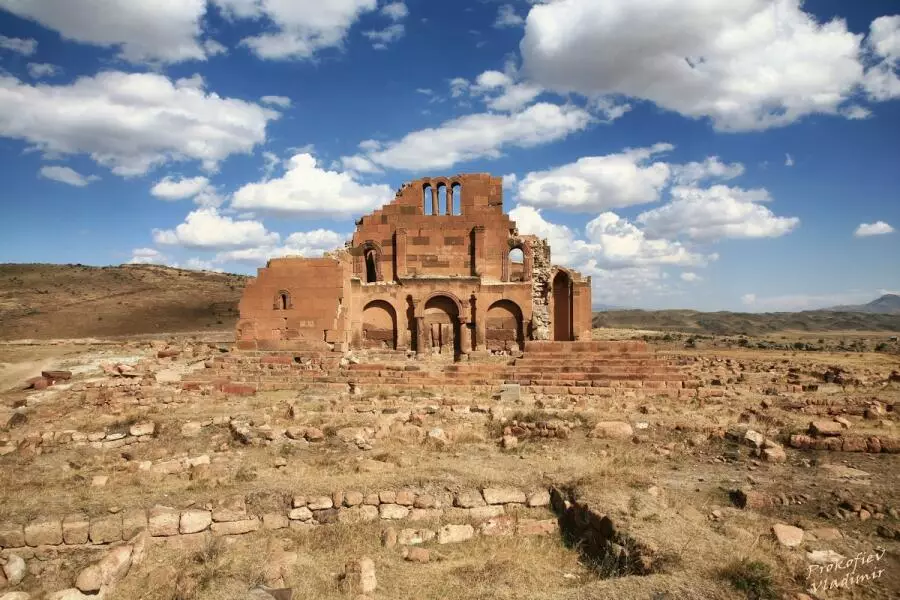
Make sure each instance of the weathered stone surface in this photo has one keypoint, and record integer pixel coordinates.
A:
(503, 495)
(353, 498)
(509, 442)
(236, 527)
(134, 521)
(230, 509)
(788, 535)
(417, 555)
(44, 531)
(114, 566)
(12, 535)
(405, 498)
(194, 521)
(359, 577)
(70, 594)
(163, 521)
(468, 499)
(142, 428)
(15, 596)
(452, 534)
(76, 529)
(274, 521)
(300, 514)
(774, 454)
(106, 529)
(89, 580)
(750, 499)
(320, 503)
(754, 439)
(480, 513)
(539, 498)
(14, 569)
(393, 511)
(409, 537)
(357, 514)
(825, 428)
(425, 514)
(826, 534)
(389, 537)
(499, 525)
(537, 527)
(613, 430)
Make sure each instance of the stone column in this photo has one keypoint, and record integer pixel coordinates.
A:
(423, 338)
(435, 207)
(504, 267)
(400, 253)
(450, 200)
(480, 333)
(465, 337)
(528, 263)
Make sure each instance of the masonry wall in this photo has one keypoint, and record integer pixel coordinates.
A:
(295, 302)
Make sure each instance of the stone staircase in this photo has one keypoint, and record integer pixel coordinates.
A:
(591, 368)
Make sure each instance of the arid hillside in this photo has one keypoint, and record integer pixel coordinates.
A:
(71, 301)
(752, 324)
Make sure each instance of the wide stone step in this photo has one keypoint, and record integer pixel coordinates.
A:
(584, 346)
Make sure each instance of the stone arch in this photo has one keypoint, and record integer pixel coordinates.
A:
(441, 320)
(370, 259)
(456, 197)
(428, 199)
(459, 305)
(379, 328)
(504, 327)
(443, 204)
(561, 298)
(283, 300)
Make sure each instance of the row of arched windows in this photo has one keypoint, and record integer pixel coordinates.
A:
(440, 200)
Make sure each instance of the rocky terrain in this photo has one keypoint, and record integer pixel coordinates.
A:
(772, 475)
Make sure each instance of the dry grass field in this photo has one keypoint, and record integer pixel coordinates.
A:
(291, 489)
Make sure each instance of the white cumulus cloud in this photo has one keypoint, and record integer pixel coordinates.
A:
(507, 17)
(279, 101)
(147, 256)
(307, 189)
(482, 135)
(876, 228)
(132, 122)
(24, 46)
(746, 64)
(302, 243)
(66, 175)
(168, 188)
(142, 30)
(720, 211)
(594, 183)
(206, 229)
(690, 277)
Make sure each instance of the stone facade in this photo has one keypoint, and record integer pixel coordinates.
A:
(440, 270)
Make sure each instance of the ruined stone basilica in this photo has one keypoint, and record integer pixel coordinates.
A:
(440, 270)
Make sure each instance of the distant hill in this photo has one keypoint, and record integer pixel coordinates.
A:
(889, 304)
(72, 301)
(729, 323)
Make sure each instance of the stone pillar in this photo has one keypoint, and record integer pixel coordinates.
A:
(480, 333)
(449, 199)
(479, 249)
(423, 338)
(504, 267)
(528, 263)
(400, 253)
(435, 207)
(465, 337)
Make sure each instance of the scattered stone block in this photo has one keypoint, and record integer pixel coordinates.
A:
(14, 569)
(393, 511)
(359, 577)
(142, 428)
(411, 537)
(300, 514)
(468, 499)
(44, 531)
(195, 521)
(76, 529)
(503, 495)
(89, 580)
(12, 535)
(163, 521)
(236, 527)
(618, 430)
(274, 521)
(539, 498)
(452, 534)
(825, 428)
(788, 535)
(230, 509)
(320, 503)
(417, 555)
(106, 529)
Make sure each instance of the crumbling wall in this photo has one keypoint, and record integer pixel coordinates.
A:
(540, 290)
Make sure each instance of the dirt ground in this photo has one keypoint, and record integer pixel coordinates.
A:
(670, 485)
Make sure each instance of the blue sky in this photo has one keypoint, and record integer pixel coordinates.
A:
(735, 155)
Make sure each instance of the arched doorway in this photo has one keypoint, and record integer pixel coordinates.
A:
(379, 325)
(503, 326)
(562, 307)
(441, 326)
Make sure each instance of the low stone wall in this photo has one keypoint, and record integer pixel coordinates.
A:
(231, 516)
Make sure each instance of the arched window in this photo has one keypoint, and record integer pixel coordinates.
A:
(442, 199)
(456, 192)
(282, 300)
(428, 205)
(516, 264)
(371, 267)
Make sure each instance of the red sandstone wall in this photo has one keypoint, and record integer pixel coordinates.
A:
(316, 288)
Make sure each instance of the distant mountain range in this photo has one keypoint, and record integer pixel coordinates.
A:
(889, 304)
